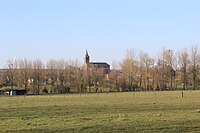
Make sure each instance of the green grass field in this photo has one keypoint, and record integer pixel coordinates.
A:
(111, 112)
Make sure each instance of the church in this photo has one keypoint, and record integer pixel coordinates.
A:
(105, 67)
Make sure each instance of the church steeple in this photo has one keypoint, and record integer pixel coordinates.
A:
(86, 58)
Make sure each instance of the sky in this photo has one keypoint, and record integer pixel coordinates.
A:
(64, 29)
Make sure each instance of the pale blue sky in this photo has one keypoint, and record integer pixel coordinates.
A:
(58, 29)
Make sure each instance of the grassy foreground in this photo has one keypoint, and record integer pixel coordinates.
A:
(112, 112)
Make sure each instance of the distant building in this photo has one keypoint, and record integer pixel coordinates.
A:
(105, 67)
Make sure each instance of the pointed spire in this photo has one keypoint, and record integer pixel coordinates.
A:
(86, 58)
(87, 53)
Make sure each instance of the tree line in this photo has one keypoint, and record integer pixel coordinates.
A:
(138, 71)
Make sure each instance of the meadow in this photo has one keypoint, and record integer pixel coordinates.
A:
(104, 112)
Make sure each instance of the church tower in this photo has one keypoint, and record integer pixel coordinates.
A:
(86, 60)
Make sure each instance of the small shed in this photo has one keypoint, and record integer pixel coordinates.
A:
(14, 92)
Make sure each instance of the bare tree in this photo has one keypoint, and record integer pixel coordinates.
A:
(183, 62)
(156, 74)
(24, 72)
(146, 66)
(12, 66)
(97, 78)
(195, 62)
(141, 70)
(3, 78)
(129, 68)
(51, 74)
(61, 65)
(166, 66)
(74, 76)
(38, 74)
(170, 66)
(114, 75)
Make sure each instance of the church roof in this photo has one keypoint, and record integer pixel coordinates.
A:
(99, 63)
